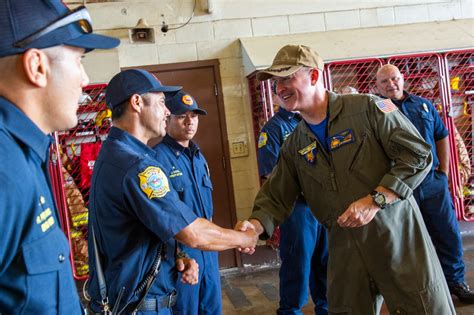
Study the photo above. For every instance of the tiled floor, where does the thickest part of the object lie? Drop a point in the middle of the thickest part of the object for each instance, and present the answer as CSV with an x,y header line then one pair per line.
x,y
254,291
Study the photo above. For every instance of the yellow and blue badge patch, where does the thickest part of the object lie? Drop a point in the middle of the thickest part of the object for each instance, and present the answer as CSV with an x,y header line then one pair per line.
x,y
386,106
309,152
262,139
153,182
187,100
340,139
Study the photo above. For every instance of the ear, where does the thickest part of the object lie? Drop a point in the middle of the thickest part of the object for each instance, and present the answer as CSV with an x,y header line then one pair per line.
x,y
314,76
35,65
136,103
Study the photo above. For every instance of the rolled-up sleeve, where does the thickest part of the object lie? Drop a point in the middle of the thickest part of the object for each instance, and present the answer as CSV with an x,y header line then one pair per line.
x,y
410,154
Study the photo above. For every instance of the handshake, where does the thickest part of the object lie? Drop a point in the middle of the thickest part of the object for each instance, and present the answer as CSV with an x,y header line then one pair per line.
x,y
251,229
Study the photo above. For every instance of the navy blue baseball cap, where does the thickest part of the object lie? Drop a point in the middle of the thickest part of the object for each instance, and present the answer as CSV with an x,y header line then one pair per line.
x,y
134,81
183,102
26,24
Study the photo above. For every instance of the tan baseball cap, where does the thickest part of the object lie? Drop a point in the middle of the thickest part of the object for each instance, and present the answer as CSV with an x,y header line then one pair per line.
x,y
290,59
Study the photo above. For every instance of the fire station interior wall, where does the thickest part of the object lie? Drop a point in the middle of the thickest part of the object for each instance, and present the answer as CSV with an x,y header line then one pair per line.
x,y
338,29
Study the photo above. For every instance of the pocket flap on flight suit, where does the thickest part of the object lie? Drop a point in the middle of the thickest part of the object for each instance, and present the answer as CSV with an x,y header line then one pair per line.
x,y
46,254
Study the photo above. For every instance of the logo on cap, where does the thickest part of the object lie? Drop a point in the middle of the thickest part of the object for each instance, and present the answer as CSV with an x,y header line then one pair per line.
x,y
187,100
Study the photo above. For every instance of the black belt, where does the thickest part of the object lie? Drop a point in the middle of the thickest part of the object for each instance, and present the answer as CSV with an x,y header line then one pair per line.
x,y
156,304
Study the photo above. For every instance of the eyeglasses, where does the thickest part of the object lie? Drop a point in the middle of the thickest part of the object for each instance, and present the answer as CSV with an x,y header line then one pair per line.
x,y
79,15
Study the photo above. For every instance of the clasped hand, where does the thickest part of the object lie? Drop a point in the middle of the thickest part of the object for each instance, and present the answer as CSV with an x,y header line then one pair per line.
x,y
249,229
189,269
359,213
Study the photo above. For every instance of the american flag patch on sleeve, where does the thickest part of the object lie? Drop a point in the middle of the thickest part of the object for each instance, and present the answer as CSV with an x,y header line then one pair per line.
x,y
386,105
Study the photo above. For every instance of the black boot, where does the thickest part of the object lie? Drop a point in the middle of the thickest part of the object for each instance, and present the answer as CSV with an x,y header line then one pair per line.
x,y
462,291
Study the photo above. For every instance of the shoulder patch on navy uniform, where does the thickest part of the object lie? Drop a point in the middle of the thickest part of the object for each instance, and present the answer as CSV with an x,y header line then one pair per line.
x,y
262,139
309,152
153,182
340,139
386,106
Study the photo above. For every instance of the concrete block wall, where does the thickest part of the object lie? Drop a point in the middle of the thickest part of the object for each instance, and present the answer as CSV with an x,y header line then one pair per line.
x,y
215,36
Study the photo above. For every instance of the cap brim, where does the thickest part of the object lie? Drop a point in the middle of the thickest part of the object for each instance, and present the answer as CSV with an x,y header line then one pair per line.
x,y
169,90
198,111
93,41
278,71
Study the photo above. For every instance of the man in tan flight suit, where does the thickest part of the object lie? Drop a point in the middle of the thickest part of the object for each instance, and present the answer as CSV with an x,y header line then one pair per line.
x,y
356,159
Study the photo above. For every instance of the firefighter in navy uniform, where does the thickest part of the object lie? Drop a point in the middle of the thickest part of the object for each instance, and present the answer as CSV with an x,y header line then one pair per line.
x,y
356,159
190,177
303,240
432,195
41,47
135,214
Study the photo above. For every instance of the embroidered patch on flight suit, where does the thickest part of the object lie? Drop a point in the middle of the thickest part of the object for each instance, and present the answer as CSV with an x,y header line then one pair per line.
x,y
262,139
309,152
386,106
340,139
153,182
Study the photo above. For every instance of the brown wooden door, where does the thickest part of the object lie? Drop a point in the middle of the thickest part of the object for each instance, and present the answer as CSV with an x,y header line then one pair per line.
x,y
201,79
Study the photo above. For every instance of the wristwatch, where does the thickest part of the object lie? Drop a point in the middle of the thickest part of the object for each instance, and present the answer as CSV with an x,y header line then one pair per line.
x,y
379,199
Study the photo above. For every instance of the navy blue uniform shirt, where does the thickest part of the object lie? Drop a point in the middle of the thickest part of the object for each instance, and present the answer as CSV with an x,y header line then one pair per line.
x,y
188,169
425,118
35,272
272,135
189,176
134,210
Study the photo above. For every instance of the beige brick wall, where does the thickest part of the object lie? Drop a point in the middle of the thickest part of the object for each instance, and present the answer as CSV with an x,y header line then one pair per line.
x,y
216,36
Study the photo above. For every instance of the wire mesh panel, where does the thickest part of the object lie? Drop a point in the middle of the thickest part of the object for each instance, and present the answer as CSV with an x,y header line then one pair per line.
x,y
261,103
460,75
76,150
355,76
424,76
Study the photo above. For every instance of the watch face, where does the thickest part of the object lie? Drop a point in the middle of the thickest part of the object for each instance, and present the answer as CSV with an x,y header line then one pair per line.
x,y
379,199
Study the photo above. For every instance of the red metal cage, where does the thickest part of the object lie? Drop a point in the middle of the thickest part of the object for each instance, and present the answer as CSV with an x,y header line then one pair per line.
x,y
73,158
459,68
353,76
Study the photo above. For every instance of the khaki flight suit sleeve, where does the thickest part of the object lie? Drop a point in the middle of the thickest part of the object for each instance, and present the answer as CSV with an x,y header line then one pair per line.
x,y
403,145
276,198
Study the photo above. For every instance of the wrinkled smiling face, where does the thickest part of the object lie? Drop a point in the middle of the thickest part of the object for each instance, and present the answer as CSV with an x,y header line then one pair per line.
x,y
293,90
183,127
390,83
